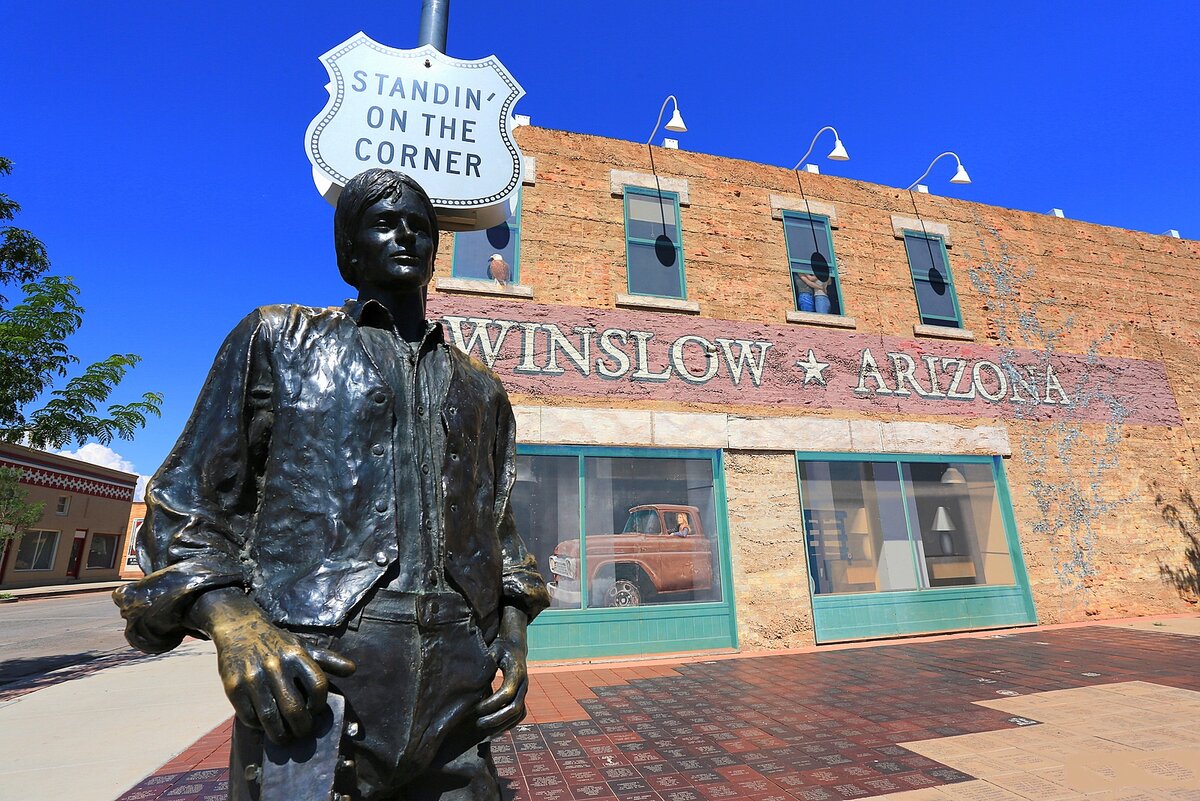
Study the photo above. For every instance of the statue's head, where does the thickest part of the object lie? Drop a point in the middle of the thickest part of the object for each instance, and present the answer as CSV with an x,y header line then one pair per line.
x,y
385,229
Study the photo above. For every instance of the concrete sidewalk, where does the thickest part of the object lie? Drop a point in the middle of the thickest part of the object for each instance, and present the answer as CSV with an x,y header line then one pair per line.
x,y
75,588
99,728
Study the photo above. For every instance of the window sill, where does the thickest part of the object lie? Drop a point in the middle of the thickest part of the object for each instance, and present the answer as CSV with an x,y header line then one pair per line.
x,y
827,320
652,303
479,286
942,332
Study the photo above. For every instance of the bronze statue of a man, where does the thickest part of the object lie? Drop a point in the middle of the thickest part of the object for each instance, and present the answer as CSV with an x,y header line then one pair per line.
x,y
339,503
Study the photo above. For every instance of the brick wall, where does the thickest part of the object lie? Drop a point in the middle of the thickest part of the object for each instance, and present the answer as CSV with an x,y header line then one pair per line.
x,y
1093,500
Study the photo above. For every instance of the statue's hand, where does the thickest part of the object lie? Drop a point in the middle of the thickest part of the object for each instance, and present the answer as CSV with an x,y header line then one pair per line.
x,y
273,681
505,708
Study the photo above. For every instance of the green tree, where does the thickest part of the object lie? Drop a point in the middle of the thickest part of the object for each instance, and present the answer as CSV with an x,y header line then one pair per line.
x,y
34,353
16,512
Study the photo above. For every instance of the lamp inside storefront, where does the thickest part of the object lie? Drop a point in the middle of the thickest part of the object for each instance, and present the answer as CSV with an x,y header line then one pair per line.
x,y
943,525
953,476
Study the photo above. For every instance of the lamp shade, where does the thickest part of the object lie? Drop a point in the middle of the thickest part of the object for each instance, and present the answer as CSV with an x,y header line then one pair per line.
x,y
676,123
839,152
941,520
953,476
960,176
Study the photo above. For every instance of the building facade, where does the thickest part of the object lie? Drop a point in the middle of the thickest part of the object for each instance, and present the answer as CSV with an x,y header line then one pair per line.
x,y
81,534
761,410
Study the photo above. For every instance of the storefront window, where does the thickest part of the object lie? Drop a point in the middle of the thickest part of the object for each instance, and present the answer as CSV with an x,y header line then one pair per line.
x,y
956,518
897,525
102,554
36,551
546,506
649,533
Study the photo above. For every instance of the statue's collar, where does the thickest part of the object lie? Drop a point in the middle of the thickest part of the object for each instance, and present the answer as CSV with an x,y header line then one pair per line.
x,y
376,314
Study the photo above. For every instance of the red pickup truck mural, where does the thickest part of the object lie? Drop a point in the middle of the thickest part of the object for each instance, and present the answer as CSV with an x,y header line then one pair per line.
x,y
662,554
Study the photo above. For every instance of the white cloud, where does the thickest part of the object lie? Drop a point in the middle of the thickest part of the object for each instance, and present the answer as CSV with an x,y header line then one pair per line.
x,y
95,453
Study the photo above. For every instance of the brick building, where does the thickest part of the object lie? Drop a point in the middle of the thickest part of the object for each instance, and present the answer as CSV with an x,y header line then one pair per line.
x,y
974,427
81,533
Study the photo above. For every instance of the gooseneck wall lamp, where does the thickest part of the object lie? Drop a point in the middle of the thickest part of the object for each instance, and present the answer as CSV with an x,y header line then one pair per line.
x,y
960,175
675,125
837,154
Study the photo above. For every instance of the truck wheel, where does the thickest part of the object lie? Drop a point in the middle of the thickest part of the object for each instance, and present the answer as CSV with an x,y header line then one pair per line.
x,y
623,592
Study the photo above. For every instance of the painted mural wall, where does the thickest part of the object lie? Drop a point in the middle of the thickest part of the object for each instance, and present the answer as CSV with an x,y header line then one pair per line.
x,y
1085,343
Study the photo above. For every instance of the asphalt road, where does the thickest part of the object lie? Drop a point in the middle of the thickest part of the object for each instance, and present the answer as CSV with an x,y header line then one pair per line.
x,y
44,634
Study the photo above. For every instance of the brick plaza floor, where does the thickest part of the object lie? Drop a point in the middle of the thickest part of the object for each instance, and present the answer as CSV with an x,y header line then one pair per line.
x,y
1095,712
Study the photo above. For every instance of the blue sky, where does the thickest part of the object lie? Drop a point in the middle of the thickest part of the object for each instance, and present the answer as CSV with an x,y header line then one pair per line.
x,y
159,152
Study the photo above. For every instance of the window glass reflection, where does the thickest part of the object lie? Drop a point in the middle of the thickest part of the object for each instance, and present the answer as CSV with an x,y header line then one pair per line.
x,y
880,526
650,531
546,507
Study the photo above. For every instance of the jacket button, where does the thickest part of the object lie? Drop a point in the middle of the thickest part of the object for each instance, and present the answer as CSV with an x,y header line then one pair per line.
x,y
381,558
425,468
454,507
377,450
454,457
381,506
421,410
380,397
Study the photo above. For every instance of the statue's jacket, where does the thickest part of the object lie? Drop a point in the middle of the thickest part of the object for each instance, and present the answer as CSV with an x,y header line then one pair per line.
x,y
279,485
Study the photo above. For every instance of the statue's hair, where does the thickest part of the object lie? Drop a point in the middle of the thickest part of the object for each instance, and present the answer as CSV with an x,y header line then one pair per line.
x,y
360,193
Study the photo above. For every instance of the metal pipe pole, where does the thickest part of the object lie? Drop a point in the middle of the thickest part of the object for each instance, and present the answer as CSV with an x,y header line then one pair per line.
x,y
435,18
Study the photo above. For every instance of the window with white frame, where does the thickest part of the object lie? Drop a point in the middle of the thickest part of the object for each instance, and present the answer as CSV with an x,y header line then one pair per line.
x,y
64,505
36,550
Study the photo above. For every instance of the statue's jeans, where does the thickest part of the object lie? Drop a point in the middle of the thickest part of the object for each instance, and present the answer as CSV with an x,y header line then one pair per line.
x,y
423,665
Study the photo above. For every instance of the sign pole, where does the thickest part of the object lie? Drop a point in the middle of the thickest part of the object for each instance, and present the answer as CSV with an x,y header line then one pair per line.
x,y
435,18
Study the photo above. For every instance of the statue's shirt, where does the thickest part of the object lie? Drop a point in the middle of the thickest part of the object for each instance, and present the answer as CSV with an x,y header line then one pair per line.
x,y
294,480
419,376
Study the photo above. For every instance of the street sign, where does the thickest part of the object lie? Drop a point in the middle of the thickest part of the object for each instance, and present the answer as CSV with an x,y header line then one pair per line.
x,y
444,121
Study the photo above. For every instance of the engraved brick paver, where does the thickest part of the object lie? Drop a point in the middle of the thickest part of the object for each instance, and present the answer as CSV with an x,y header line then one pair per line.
x,y
824,725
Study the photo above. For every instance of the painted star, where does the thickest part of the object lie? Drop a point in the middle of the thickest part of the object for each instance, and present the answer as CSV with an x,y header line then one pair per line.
x,y
812,369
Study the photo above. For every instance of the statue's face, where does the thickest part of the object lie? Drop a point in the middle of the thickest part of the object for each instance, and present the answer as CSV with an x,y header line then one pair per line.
x,y
394,245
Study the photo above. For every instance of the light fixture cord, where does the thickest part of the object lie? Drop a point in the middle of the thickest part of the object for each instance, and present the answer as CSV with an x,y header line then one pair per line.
x,y
658,187
924,233
811,225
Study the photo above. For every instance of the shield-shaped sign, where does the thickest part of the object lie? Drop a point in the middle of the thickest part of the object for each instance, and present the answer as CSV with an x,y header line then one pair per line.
x,y
444,121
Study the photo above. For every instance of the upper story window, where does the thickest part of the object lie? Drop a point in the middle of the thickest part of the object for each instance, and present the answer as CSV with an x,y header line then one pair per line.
x,y
475,251
64,505
653,246
813,268
932,282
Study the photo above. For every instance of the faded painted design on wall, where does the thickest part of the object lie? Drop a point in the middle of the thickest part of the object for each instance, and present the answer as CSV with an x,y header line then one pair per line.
x,y
1067,464
563,351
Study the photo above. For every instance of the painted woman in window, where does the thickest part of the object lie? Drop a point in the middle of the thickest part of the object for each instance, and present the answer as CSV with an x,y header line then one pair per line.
x,y
683,529
817,299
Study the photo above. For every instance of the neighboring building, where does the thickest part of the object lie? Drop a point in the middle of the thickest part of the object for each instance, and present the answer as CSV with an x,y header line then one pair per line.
x,y
129,562
82,530
992,425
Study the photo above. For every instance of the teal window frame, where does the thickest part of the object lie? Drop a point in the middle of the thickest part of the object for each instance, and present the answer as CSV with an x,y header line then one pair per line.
x,y
803,265
692,626
839,617
662,195
514,227
933,319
